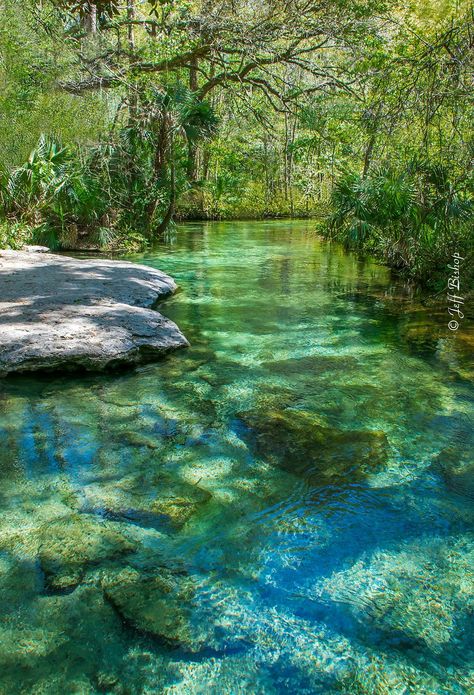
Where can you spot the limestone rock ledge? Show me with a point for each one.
(58, 312)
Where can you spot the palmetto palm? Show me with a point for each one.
(52, 190)
(412, 217)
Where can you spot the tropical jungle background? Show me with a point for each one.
(119, 118)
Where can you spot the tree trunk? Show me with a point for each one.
(193, 75)
(90, 19)
(132, 90)
(162, 148)
(206, 160)
(368, 154)
(290, 165)
(267, 173)
(172, 202)
(191, 167)
(290, 132)
(162, 227)
(159, 164)
(285, 161)
(371, 142)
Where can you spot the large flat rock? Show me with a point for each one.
(58, 312)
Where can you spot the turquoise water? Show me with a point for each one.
(285, 506)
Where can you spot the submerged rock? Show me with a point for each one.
(64, 313)
(418, 596)
(306, 445)
(456, 470)
(159, 502)
(53, 644)
(180, 501)
(156, 603)
(68, 546)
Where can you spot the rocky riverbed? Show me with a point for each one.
(285, 505)
(58, 312)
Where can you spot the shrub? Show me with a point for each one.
(413, 219)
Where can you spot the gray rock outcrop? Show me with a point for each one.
(58, 312)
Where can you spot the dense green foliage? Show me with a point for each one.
(124, 116)
(413, 216)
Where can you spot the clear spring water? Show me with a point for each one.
(285, 506)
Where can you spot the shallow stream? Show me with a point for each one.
(287, 506)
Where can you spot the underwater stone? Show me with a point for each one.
(304, 444)
(68, 546)
(458, 474)
(42, 635)
(421, 596)
(461, 482)
(179, 501)
(157, 502)
(155, 603)
(65, 313)
(18, 577)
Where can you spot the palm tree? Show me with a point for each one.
(173, 114)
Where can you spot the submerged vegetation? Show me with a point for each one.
(120, 117)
